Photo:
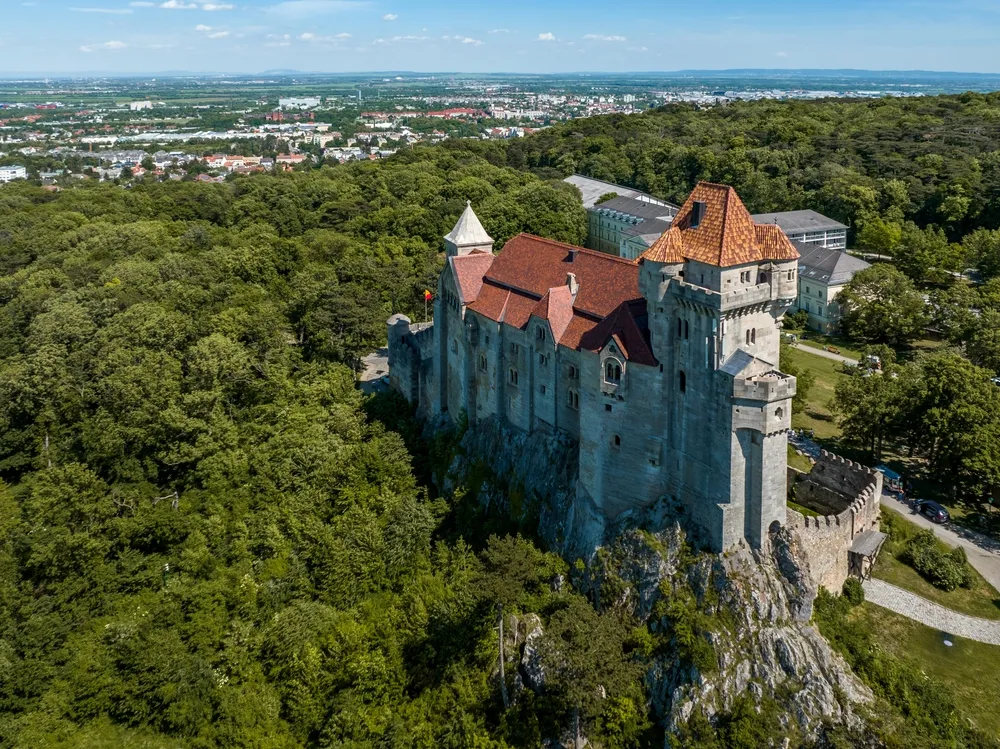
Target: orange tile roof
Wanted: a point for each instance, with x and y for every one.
(726, 235)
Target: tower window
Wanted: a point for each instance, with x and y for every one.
(618, 441)
(612, 371)
(573, 399)
(763, 278)
(686, 330)
(483, 363)
(512, 376)
(607, 407)
(682, 382)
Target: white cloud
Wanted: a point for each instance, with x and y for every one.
(178, 5)
(106, 45)
(498, 31)
(202, 27)
(390, 17)
(548, 36)
(109, 11)
(605, 38)
(470, 40)
(216, 6)
(219, 35)
(333, 39)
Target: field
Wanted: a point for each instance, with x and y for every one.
(818, 414)
(970, 669)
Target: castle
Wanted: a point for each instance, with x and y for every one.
(664, 369)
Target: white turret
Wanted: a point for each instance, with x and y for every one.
(468, 235)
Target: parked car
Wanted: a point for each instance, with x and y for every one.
(932, 511)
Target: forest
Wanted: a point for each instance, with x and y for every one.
(211, 539)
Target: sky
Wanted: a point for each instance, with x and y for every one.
(518, 36)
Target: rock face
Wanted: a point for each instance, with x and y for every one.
(752, 606)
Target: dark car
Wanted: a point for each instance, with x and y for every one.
(932, 510)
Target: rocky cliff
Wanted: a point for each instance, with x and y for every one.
(736, 624)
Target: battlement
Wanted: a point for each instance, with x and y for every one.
(848, 496)
(766, 388)
(746, 296)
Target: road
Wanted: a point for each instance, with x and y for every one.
(931, 614)
(983, 552)
(374, 367)
(824, 353)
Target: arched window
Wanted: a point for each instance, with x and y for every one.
(779, 412)
(763, 278)
(753, 335)
(685, 330)
(748, 338)
(512, 376)
(680, 327)
(483, 363)
(618, 441)
(612, 371)
(683, 382)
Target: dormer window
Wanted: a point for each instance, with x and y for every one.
(697, 213)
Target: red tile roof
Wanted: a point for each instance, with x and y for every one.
(725, 236)
(529, 277)
(469, 271)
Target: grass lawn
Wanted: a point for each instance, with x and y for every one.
(980, 600)
(821, 341)
(799, 461)
(817, 415)
(970, 669)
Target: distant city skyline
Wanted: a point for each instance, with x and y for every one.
(145, 36)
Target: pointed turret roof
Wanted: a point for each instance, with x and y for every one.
(468, 230)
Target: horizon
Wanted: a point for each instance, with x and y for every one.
(119, 37)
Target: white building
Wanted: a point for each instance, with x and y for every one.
(10, 173)
(809, 227)
(304, 102)
(137, 106)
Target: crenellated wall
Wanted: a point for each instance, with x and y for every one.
(834, 484)
(411, 362)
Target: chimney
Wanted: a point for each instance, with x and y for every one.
(572, 256)
(572, 283)
(697, 213)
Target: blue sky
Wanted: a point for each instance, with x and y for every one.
(76, 36)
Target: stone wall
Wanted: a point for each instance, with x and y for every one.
(825, 540)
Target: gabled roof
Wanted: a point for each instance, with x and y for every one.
(468, 230)
(529, 278)
(469, 271)
(557, 308)
(725, 235)
(826, 265)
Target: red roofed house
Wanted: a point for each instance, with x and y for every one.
(663, 369)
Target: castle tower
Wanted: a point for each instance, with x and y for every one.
(716, 287)
(468, 235)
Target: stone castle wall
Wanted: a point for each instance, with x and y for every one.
(825, 540)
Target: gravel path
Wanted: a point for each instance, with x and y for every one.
(824, 353)
(926, 612)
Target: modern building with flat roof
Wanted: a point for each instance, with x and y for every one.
(823, 272)
(10, 173)
(592, 189)
(611, 223)
(808, 226)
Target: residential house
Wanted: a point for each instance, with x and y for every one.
(823, 273)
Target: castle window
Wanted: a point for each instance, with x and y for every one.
(542, 390)
(682, 381)
(778, 412)
(573, 399)
(487, 339)
(573, 372)
(763, 278)
(612, 371)
(512, 376)
(540, 334)
(686, 330)
(680, 328)
(617, 441)
(753, 335)
(607, 407)
(483, 363)
(513, 348)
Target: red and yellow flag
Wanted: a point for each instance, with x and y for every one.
(427, 295)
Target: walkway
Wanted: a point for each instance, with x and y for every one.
(824, 353)
(926, 612)
(982, 551)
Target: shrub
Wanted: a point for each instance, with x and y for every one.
(797, 320)
(606, 197)
(943, 569)
(853, 591)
